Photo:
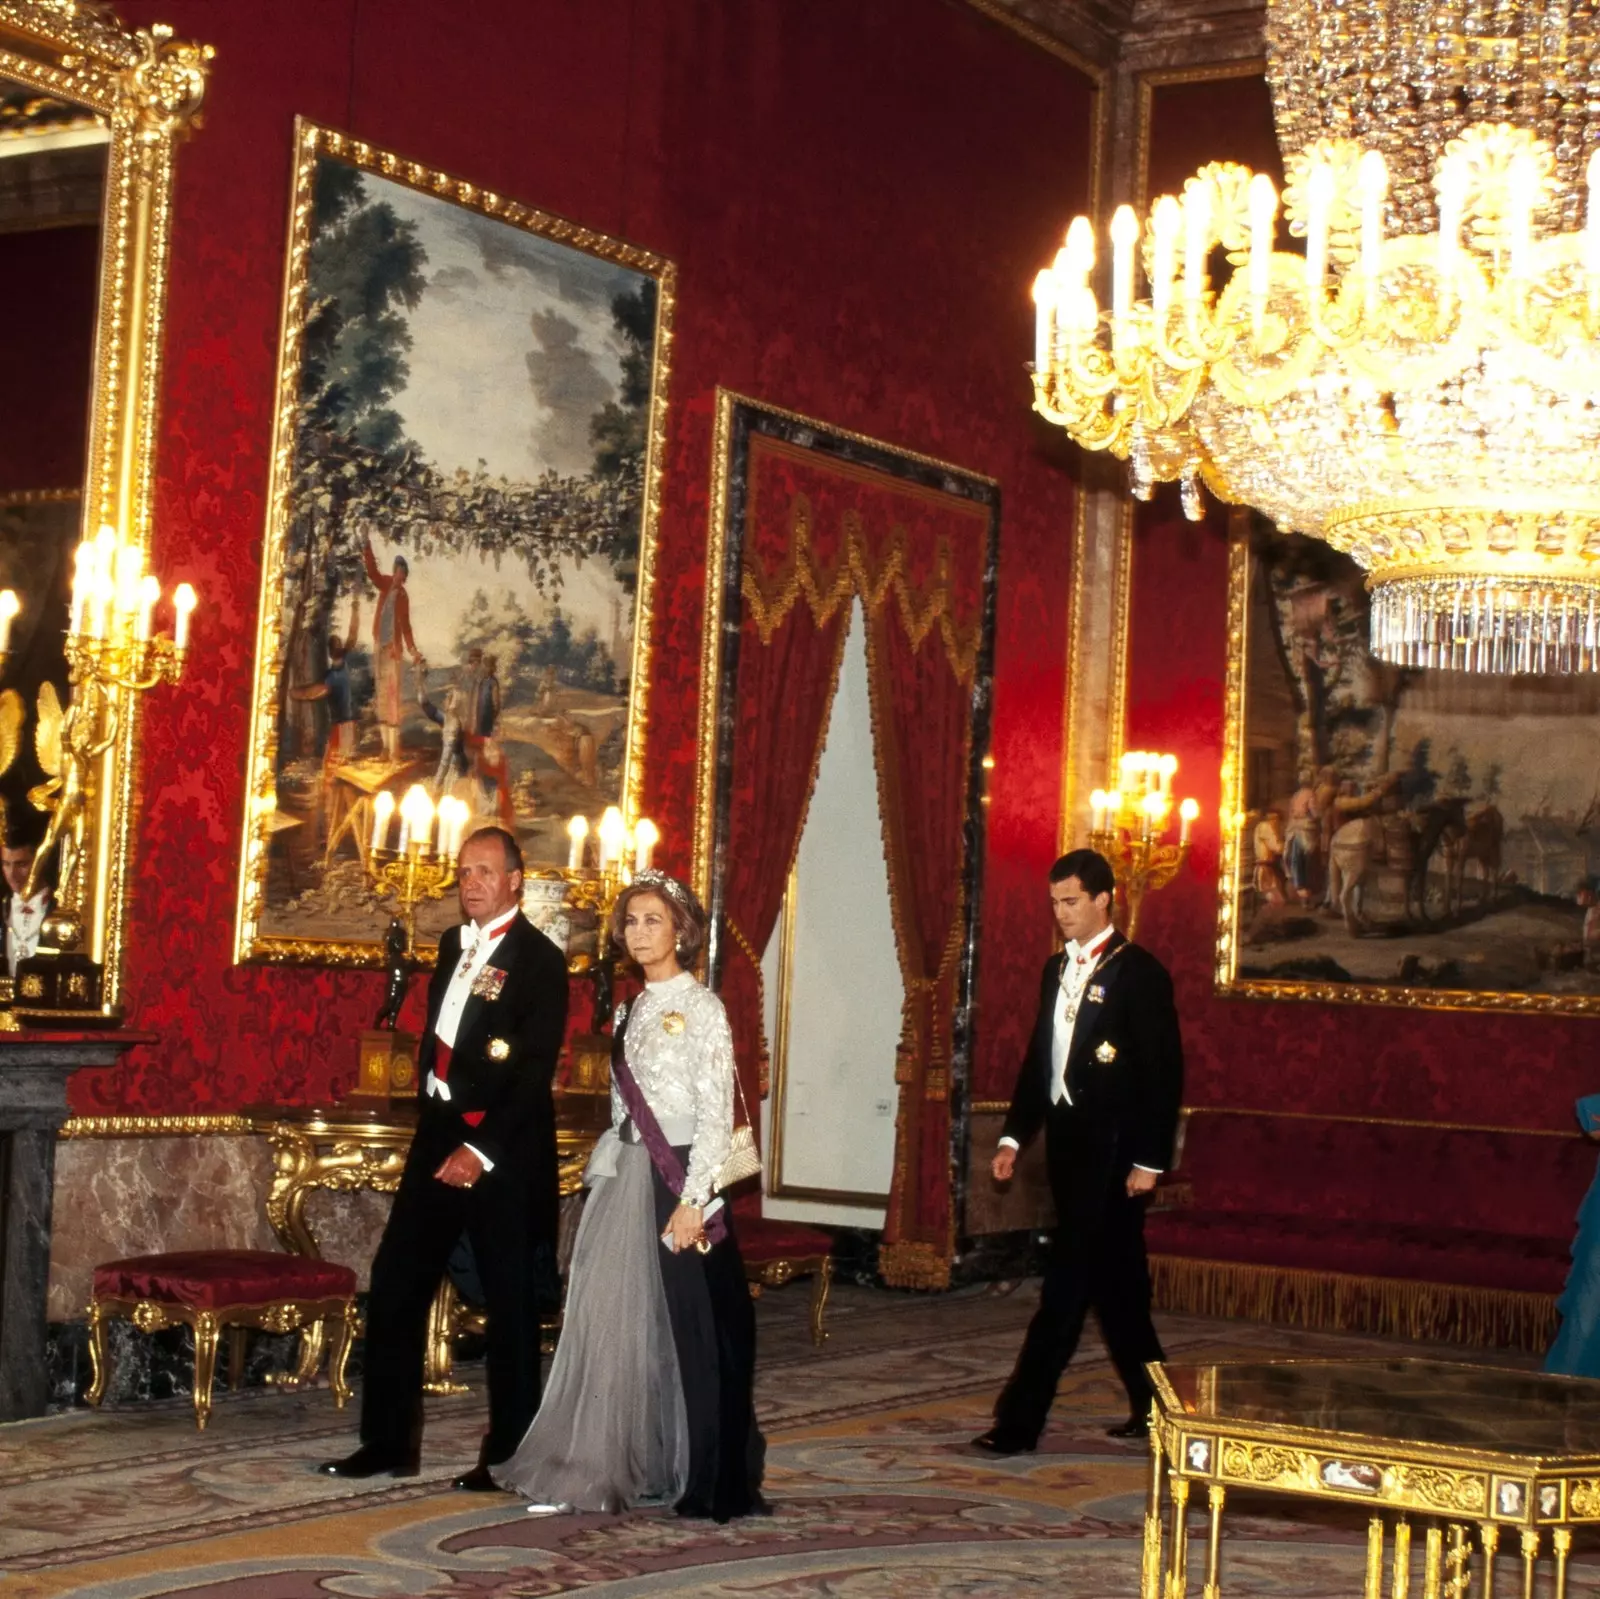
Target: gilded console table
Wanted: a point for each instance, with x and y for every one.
(353, 1147)
(1452, 1457)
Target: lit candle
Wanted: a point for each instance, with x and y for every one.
(577, 832)
(1263, 217)
(1154, 809)
(1186, 815)
(9, 606)
(1113, 807)
(183, 604)
(613, 834)
(1044, 300)
(100, 599)
(1372, 178)
(82, 585)
(149, 593)
(128, 568)
(1079, 260)
(1097, 807)
(1319, 202)
(382, 810)
(1165, 222)
(1124, 236)
(416, 819)
(645, 838)
(1196, 241)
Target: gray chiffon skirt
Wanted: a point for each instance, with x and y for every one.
(611, 1430)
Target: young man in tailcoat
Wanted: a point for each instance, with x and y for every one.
(1103, 1077)
(483, 1163)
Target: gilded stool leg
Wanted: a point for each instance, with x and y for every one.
(1561, 1540)
(1178, 1572)
(1374, 1583)
(439, 1361)
(1213, 1587)
(1150, 1575)
(236, 1349)
(1402, 1558)
(819, 1300)
(205, 1365)
(1489, 1536)
(99, 1365)
(344, 1331)
(1530, 1560)
(308, 1354)
(1458, 1557)
(1433, 1564)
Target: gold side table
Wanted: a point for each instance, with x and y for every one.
(1449, 1456)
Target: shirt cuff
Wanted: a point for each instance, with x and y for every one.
(488, 1165)
(1009, 1143)
(1155, 1170)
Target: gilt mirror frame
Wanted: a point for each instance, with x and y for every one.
(148, 88)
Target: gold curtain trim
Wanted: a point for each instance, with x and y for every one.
(914, 1266)
(875, 577)
(153, 1126)
(1331, 1301)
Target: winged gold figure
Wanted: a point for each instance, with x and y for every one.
(62, 792)
(13, 713)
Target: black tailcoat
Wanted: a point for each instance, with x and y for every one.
(500, 1075)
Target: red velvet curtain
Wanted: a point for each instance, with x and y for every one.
(821, 532)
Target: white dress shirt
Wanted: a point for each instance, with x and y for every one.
(1077, 967)
(23, 926)
(477, 945)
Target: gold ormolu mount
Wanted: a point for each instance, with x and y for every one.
(59, 986)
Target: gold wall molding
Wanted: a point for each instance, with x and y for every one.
(39, 497)
(1379, 1121)
(148, 87)
(155, 1126)
(1146, 85)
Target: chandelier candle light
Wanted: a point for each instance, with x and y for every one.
(1129, 826)
(1421, 387)
(620, 851)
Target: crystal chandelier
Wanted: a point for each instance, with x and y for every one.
(1421, 386)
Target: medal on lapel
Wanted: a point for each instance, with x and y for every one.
(1096, 994)
(499, 1049)
(673, 1023)
(488, 983)
(1106, 1053)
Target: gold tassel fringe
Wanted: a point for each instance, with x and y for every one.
(914, 1265)
(1330, 1301)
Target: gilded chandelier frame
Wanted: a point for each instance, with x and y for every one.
(148, 87)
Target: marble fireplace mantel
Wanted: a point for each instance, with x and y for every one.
(34, 1068)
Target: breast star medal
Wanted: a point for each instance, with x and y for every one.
(499, 1049)
(1106, 1053)
(1096, 994)
(673, 1023)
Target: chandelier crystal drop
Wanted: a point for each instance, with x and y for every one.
(1421, 386)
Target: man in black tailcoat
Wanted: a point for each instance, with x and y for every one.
(483, 1163)
(1103, 1077)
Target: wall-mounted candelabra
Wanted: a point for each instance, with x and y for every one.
(1130, 824)
(421, 865)
(113, 654)
(618, 851)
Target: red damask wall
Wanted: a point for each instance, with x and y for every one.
(857, 198)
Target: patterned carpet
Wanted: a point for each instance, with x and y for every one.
(876, 1493)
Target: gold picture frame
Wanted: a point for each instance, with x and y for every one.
(1424, 768)
(260, 933)
(148, 87)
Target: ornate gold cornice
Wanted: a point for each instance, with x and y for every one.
(191, 1126)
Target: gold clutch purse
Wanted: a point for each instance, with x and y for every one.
(743, 1160)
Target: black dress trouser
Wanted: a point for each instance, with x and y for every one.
(428, 1217)
(1097, 1260)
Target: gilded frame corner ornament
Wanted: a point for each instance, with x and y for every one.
(313, 141)
(1231, 887)
(149, 88)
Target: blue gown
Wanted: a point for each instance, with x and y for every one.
(1576, 1351)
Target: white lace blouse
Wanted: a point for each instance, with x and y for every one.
(681, 1054)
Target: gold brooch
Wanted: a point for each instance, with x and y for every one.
(673, 1023)
(499, 1049)
(1106, 1053)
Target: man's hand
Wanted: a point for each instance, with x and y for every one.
(461, 1169)
(1141, 1181)
(1004, 1165)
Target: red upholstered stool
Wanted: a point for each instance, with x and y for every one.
(776, 1251)
(209, 1289)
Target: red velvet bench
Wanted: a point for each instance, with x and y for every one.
(776, 1252)
(212, 1289)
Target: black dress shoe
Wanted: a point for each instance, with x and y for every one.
(370, 1461)
(477, 1481)
(995, 1442)
(1131, 1428)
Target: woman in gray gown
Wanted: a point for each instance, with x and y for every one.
(649, 1400)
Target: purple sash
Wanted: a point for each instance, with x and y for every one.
(655, 1142)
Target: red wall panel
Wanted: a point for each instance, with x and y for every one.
(857, 199)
